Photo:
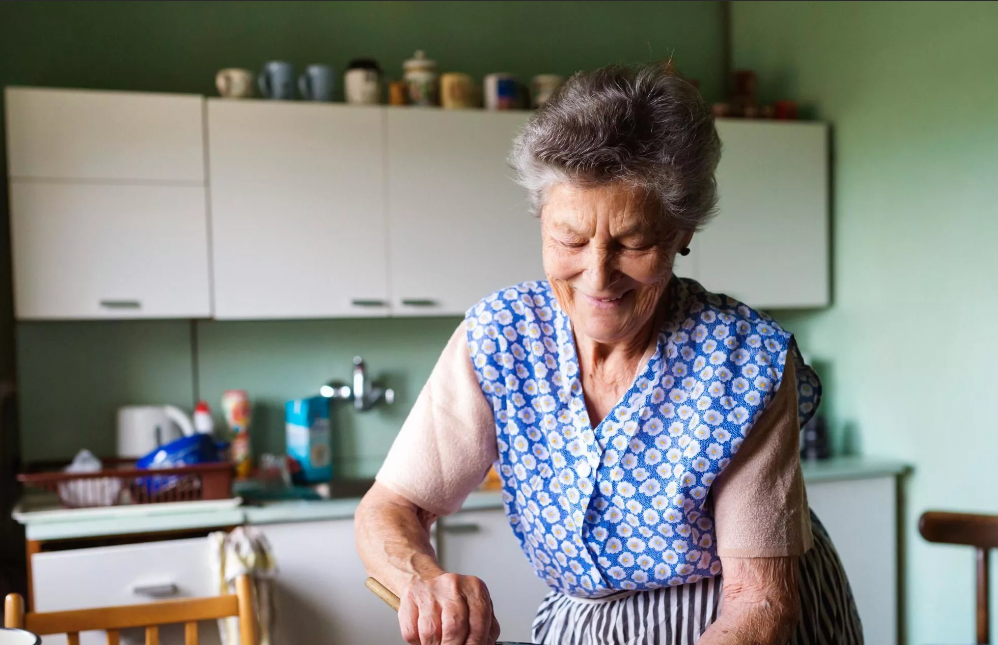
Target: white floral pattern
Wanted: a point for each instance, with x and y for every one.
(623, 505)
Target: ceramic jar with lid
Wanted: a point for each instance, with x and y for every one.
(420, 74)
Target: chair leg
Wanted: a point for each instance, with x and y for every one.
(13, 611)
(247, 615)
(983, 597)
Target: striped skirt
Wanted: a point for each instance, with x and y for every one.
(679, 615)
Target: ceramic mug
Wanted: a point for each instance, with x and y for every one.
(277, 80)
(317, 83)
(457, 91)
(234, 83)
(501, 92)
(543, 86)
(362, 86)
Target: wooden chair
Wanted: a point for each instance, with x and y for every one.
(151, 616)
(978, 531)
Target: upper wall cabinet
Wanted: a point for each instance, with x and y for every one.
(297, 209)
(322, 210)
(769, 244)
(116, 136)
(107, 199)
(98, 251)
(459, 226)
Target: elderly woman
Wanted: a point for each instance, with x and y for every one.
(645, 429)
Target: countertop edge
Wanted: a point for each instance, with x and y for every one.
(837, 469)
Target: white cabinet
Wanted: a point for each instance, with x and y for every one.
(769, 244)
(104, 136)
(107, 205)
(320, 589)
(124, 575)
(297, 210)
(861, 517)
(481, 543)
(330, 211)
(86, 250)
(459, 226)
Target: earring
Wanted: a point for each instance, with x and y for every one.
(685, 251)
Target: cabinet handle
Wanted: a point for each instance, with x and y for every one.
(361, 302)
(419, 302)
(461, 529)
(121, 304)
(155, 591)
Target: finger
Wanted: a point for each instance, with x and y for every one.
(494, 630)
(429, 622)
(454, 622)
(408, 622)
(479, 613)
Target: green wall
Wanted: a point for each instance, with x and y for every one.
(73, 376)
(911, 91)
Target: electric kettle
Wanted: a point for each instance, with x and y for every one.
(143, 428)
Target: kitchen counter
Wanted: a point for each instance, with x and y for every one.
(155, 518)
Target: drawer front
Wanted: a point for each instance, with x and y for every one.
(121, 575)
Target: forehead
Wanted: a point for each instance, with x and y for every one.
(588, 208)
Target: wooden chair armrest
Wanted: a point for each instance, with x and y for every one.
(969, 529)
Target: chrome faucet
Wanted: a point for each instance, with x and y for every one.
(364, 397)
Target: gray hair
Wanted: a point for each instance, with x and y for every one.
(643, 126)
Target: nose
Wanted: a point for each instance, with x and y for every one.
(602, 269)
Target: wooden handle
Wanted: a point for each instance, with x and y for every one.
(383, 592)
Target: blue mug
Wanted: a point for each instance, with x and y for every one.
(317, 83)
(277, 80)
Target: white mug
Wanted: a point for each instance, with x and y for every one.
(362, 86)
(234, 83)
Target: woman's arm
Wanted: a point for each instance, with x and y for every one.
(760, 604)
(437, 608)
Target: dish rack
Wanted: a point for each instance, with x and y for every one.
(121, 483)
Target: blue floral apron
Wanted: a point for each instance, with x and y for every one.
(623, 505)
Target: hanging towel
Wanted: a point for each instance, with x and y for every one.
(244, 551)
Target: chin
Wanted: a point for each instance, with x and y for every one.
(606, 331)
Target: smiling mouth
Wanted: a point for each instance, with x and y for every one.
(607, 301)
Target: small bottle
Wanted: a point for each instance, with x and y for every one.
(203, 423)
(236, 407)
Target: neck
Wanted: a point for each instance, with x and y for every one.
(596, 357)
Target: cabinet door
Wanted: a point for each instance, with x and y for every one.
(297, 209)
(459, 226)
(109, 251)
(481, 543)
(320, 589)
(768, 245)
(869, 556)
(118, 136)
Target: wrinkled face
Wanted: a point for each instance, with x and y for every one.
(608, 257)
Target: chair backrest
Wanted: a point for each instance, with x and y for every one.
(968, 529)
(151, 616)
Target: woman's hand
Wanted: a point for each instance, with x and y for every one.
(435, 607)
(447, 610)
